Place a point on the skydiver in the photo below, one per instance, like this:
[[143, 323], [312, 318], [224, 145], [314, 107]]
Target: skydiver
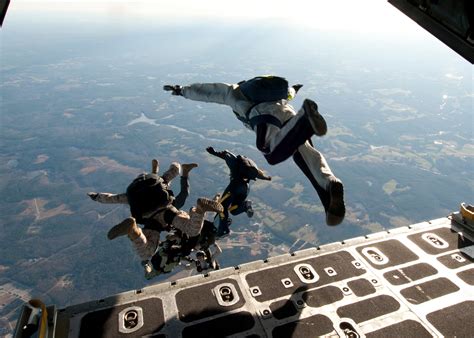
[[163, 215], [167, 256], [177, 202], [168, 176], [178, 246], [206, 260], [234, 197], [281, 132]]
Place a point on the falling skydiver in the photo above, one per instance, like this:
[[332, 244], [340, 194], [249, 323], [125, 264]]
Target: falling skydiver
[[160, 214], [280, 131], [234, 197], [175, 251]]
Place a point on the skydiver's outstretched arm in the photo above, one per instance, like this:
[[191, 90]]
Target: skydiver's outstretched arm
[[221, 154], [261, 175], [213, 152], [226, 155], [221, 93], [208, 92], [108, 198]]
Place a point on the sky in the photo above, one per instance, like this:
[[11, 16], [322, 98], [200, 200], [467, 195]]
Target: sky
[[374, 16]]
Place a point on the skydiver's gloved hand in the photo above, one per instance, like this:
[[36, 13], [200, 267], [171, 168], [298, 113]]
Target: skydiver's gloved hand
[[93, 195], [211, 150], [261, 175], [175, 90], [220, 154], [150, 271]]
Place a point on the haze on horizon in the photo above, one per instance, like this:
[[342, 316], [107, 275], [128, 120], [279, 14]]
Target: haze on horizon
[[364, 16]]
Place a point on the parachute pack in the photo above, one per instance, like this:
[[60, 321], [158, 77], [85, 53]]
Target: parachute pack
[[265, 89], [247, 168], [147, 193]]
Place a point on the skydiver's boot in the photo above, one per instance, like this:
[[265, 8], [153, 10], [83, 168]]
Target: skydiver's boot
[[186, 168], [315, 119], [172, 172], [155, 166], [336, 210], [205, 204], [123, 228]]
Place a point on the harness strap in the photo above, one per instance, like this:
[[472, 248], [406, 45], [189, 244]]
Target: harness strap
[[245, 119], [247, 113], [265, 118]]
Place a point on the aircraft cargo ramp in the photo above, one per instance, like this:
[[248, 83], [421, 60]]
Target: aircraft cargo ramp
[[410, 281]]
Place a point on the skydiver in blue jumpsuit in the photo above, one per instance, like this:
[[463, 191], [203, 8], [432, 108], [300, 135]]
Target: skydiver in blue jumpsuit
[[234, 197]]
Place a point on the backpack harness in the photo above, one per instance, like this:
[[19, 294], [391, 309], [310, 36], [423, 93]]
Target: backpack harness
[[262, 89], [147, 195]]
